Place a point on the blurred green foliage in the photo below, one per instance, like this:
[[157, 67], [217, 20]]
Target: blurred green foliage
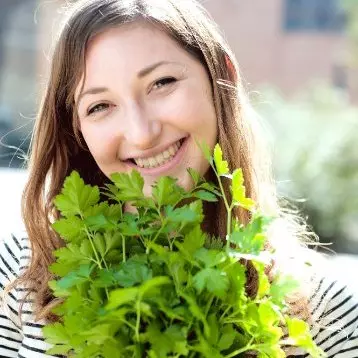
[[316, 159]]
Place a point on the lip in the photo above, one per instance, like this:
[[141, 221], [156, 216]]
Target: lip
[[153, 152], [165, 167]]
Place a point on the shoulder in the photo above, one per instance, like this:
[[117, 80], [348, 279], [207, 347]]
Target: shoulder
[[14, 259], [20, 333], [334, 311], [14, 255]]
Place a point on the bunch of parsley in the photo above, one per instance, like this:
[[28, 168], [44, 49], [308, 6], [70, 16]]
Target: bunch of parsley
[[153, 284]]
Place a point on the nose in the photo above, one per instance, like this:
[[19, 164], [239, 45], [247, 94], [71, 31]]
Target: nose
[[142, 129]]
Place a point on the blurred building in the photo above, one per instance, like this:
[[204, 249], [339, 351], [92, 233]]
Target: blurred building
[[286, 43]]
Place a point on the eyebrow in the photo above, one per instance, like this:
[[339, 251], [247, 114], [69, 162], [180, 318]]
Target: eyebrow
[[147, 70], [94, 90], [142, 73]]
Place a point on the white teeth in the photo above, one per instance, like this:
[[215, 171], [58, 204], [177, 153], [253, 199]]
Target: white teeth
[[160, 158], [166, 154], [172, 149], [152, 162], [140, 162]]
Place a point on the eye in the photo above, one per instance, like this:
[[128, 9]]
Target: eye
[[97, 108], [164, 82]]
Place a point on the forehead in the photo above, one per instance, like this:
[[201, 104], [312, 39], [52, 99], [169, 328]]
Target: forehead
[[121, 52], [133, 45]]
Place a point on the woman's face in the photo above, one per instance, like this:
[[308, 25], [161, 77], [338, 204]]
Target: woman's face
[[144, 102]]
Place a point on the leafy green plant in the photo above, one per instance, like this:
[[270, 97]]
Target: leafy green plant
[[153, 284]]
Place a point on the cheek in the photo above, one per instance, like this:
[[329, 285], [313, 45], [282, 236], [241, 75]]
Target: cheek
[[100, 141], [192, 109]]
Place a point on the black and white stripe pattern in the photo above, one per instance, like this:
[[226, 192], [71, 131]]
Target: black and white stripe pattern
[[334, 310]]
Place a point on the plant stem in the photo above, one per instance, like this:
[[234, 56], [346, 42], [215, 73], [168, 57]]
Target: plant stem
[[222, 191], [248, 347], [160, 230], [228, 229], [239, 351], [98, 261], [124, 248], [208, 305], [228, 209], [128, 324], [225, 312], [138, 320]]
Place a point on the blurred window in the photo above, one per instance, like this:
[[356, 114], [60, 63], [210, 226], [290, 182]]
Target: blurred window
[[18, 56], [313, 15]]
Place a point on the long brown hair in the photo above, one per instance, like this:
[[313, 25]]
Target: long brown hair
[[58, 148]]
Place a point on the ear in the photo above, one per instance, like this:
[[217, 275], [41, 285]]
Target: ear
[[231, 69]]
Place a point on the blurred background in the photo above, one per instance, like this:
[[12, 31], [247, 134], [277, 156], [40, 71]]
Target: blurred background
[[299, 61]]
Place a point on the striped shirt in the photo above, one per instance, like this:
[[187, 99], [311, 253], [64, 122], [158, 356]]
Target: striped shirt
[[331, 304]]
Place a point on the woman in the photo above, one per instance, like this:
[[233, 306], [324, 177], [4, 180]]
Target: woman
[[133, 84]]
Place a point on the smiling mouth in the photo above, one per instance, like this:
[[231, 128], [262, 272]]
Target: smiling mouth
[[159, 159]]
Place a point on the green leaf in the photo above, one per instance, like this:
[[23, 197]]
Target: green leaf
[[196, 311], [132, 272], [213, 280], [268, 351], [211, 188], [167, 192], [183, 214], [86, 248], [281, 287], [238, 191], [214, 328], [57, 291], [55, 333], [264, 283], [68, 259], [227, 338], [170, 342], [210, 258], [250, 239], [99, 222], [113, 240], [215, 243], [193, 241], [76, 197], [130, 185], [71, 228], [206, 349], [177, 267], [195, 175], [299, 335], [121, 296], [270, 319], [74, 278], [205, 195], [114, 349], [221, 165], [237, 293], [61, 349], [100, 334], [153, 284], [99, 243], [98, 209]]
